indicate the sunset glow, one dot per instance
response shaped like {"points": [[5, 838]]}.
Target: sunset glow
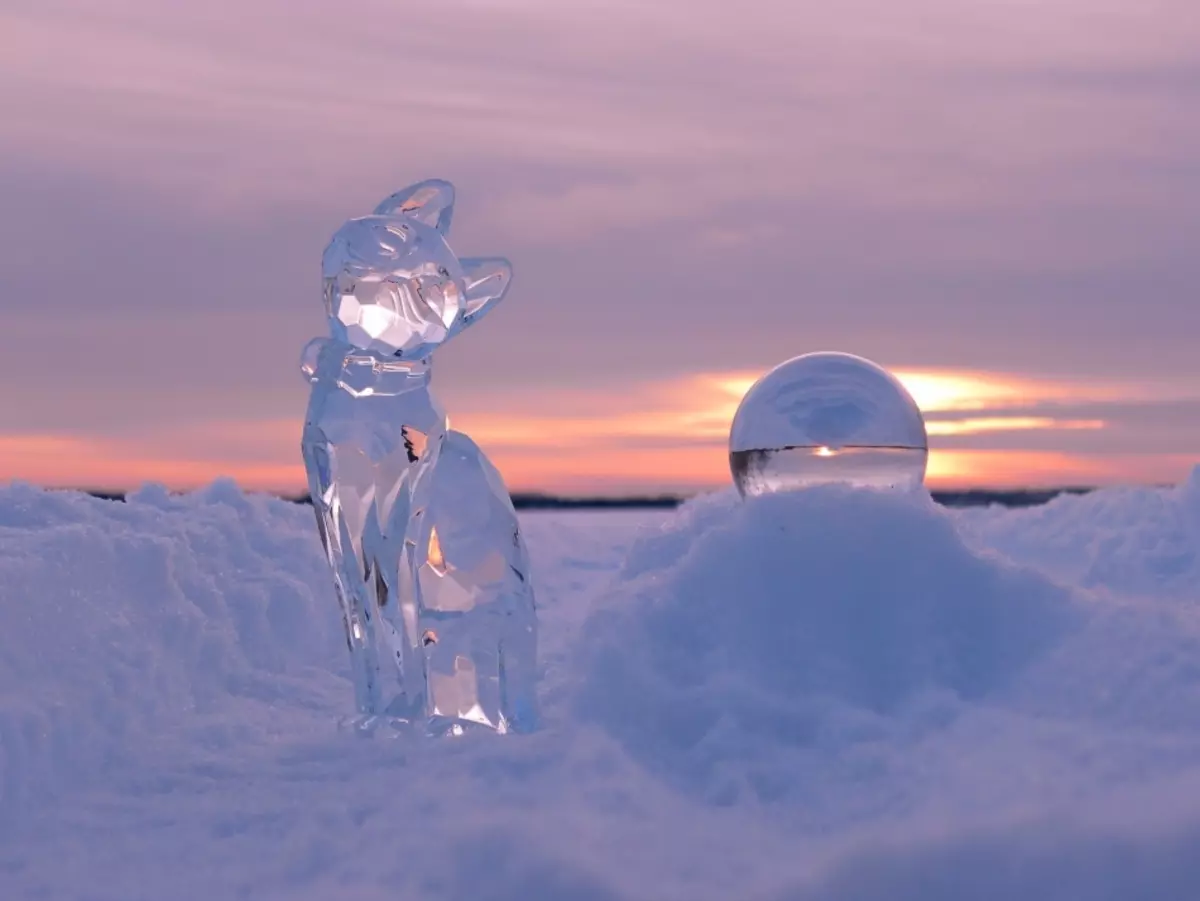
{"points": [[667, 436], [997, 206], [978, 424]]}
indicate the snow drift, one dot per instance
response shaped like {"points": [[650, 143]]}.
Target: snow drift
{"points": [[835, 695], [1128, 541], [803, 619], [122, 622]]}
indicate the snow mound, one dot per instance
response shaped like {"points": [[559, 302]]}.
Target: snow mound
{"points": [[838, 695], [1130, 541], [1111, 855], [123, 622], [800, 619]]}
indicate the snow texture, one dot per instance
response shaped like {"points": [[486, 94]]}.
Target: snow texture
{"points": [[834, 694]]}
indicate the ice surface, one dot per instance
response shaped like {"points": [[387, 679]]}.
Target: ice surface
{"points": [[824, 418], [1001, 705]]}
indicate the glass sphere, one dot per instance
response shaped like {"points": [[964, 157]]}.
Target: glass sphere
{"points": [[827, 417]]}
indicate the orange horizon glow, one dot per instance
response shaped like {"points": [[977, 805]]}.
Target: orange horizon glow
{"points": [[672, 441], [641, 471]]}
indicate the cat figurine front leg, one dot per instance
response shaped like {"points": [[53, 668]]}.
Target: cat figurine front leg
{"points": [[371, 420]]}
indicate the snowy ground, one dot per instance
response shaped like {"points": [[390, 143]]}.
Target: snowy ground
{"points": [[834, 695]]}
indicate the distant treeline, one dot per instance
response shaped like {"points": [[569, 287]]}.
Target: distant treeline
{"points": [[975, 497]]}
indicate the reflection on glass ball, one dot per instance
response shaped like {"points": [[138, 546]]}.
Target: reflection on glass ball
{"points": [[827, 417]]}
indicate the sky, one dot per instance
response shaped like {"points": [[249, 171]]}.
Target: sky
{"points": [[996, 199]]}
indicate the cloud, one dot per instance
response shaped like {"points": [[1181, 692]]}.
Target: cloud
{"points": [[978, 424], [683, 188]]}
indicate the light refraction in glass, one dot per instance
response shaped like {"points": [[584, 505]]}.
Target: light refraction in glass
{"points": [[427, 557], [394, 286], [475, 605], [827, 417]]}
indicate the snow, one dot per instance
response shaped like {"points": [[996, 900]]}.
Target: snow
{"points": [[832, 695]]}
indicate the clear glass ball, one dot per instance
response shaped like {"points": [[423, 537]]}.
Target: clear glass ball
{"points": [[827, 417]]}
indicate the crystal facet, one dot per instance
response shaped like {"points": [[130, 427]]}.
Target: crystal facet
{"points": [[827, 417], [393, 286], [427, 557], [474, 601]]}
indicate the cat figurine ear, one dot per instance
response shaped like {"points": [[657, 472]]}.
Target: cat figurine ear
{"points": [[430, 201], [487, 280]]}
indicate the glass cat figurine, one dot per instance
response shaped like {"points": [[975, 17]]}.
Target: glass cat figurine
{"points": [[428, 561]]}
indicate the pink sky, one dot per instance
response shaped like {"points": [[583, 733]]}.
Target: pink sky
{"points": [[689, 191]]}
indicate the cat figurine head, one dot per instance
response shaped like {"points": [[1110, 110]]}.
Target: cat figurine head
{"points": [[394, 287]]}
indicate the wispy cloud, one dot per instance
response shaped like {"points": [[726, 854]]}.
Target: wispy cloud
{"points": [[978, 424], [686, 186]]}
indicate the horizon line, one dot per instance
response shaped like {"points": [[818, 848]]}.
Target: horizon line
{"points": [[632, 497]]}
